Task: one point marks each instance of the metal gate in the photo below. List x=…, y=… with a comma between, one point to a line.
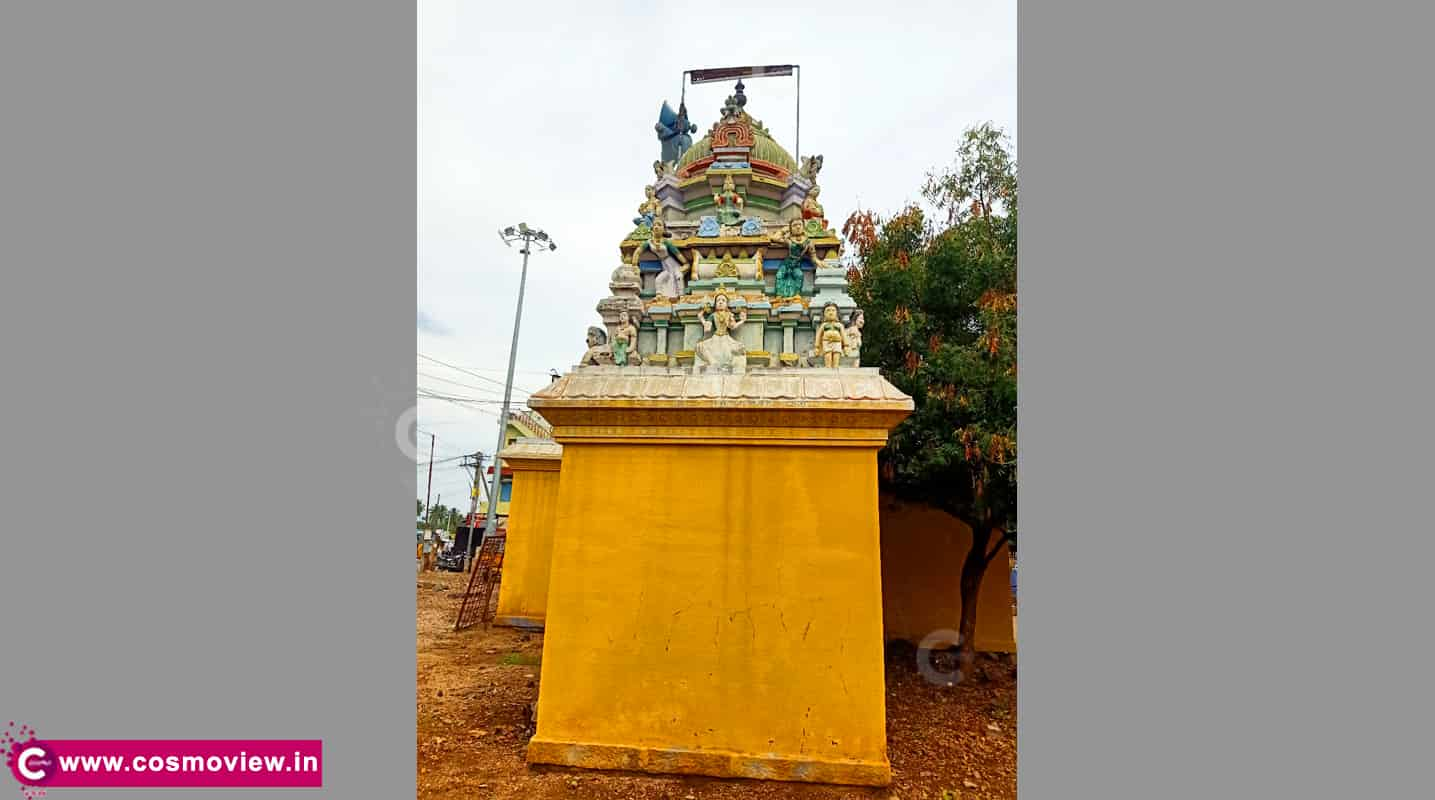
x=484, y=577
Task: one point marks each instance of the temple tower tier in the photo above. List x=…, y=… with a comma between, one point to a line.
x=732, y=219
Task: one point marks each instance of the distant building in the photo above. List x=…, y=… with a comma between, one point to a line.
x=472, y=530
x=521, y=425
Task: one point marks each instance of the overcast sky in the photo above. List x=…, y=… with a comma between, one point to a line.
x=543, y=113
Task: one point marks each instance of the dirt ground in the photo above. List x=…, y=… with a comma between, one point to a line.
x=476, y=689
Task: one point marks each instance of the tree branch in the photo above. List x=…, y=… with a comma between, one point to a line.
x=1006, y=537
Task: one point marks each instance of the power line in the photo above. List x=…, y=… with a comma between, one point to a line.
x=474, y=374
x=443, y=460
x=544, y=373
x=458, y=383
x=446, y=453
x=435, y=436
x=423, y=390
x=460, y=404
x=432, y=394
x=435, y=395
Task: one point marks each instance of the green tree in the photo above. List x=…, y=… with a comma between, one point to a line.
x=420, y=510
x=940, y=304
x=438, y=517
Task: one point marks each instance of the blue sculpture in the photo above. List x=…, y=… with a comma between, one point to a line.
x=751, y=226
x=707, y=226
x=673, y=131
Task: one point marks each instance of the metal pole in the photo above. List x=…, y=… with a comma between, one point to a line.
x=473, y=507
x=472, y=539
x=428, y=537
x=428, y=493
x=798, y=136
x=493, y=495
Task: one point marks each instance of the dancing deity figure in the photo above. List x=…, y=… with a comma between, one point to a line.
x=811, y=165
x=721, y=349
x=648, y=211
x=729, y=203
x=625, y=341
x=830, y=336
x=789, y=273
x=670, y=280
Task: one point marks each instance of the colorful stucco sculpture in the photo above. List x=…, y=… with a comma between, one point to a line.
x=673, y=131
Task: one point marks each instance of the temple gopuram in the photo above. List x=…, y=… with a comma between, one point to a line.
x=701, y=541
x=733, y=224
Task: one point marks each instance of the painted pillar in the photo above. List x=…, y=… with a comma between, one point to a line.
x=662, y=318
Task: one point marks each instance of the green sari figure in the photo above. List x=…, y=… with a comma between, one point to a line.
x=625, y=341
x=789, y=274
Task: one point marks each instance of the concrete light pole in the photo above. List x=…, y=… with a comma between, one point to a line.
x=511, y=234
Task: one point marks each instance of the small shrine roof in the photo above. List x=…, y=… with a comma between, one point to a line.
x=528, y=447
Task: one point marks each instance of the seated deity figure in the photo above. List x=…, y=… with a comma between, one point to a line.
x=811, y=209
x=670, y=281
x=729, y=203
x=625, y=341
x=599, y=353
x=648, y=211
x=789, y=273
x=830, y=337
x=721, y=350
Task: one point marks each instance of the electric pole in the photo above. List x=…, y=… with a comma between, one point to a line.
x=510, y=235
x=475, y=461
x=428, y=493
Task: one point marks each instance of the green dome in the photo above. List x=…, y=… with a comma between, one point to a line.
x=763, y=149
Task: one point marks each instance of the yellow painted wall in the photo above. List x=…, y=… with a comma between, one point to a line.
x=523, y=591
x=716, y=609
x=922, y=553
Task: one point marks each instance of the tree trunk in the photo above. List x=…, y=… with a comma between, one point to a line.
x=973, y=568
